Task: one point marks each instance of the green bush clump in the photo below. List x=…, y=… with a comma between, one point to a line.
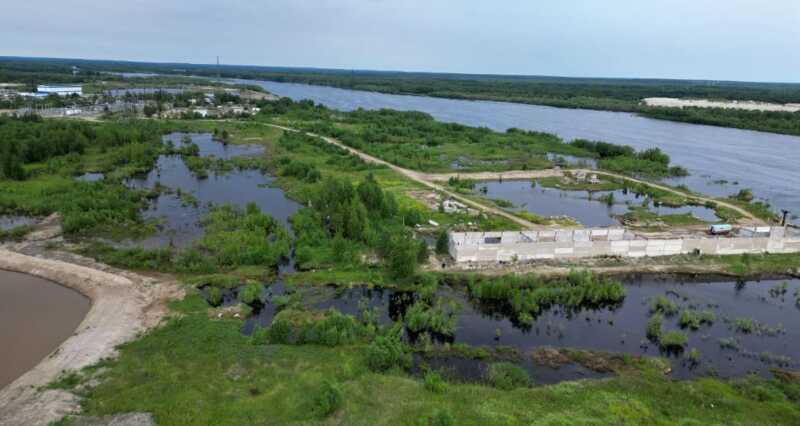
x=214, y=296
x=330, y=328
x=531, y=295
x=745, y=325
x=442, y=243
x=664, y=306
x=693, y=319
x=234, y=237
x=251, y=294
x=434, y=382
x=301, y=170
x=654, y=327
x=507, y=376
x=441, y=317
x=673, y=340
x=387, y=352
x=328, y=399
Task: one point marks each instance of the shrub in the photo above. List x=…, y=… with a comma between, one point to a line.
x=745, y=325
x=331, y=328
x=442, y=243
x=440, y=318
x=507, y=376
x=214, y=296
x=531, y=295
x=654, y=325
x=665, y=306
x=328, y=399
x=423, y=253
x=251, y=294
x=387, y=352
x=693, y=319
x=673, y=340
x=434, y=382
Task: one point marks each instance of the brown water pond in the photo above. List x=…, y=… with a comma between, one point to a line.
x=36, y=316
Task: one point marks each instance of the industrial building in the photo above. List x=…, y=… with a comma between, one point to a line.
x=66, y=90
x=494, y=247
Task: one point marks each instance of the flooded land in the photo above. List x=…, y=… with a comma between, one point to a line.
x=732, y=328
x=186, y=197
x=588, y=208
x=43, y=313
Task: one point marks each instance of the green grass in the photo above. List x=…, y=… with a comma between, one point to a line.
x=196, y=370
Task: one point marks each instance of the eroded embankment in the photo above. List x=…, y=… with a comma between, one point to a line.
x=123, y=305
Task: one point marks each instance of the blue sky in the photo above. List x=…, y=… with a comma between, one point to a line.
x=703, y=39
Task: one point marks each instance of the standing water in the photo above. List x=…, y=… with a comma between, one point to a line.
x=764, y=162
x=180, y=214
x=36, y=316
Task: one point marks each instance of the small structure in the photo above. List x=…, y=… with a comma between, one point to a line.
x=452, y=206
x=45, y=90
x=720, y=229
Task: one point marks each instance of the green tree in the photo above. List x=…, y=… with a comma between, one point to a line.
x=422, y=252
x=442, y=243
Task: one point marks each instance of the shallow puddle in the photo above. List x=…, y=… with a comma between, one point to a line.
x=11, y=222
x=36, y=316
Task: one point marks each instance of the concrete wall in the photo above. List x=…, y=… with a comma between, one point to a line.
x=566, y=244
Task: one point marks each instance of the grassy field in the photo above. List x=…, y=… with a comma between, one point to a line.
x=196, y=370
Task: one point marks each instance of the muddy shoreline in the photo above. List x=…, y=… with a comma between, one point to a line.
x=123, y=305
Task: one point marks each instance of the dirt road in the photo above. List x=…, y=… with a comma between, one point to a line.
x=422, y=178
x=124, y=305
x=430, y=180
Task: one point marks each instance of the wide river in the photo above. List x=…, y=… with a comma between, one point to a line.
x=767, y=163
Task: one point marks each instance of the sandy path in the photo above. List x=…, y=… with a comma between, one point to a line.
x=123, y=306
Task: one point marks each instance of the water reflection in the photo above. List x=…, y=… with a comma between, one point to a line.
x=765, y=162
x=618, y=328
x=588, y=208
x=180, y=209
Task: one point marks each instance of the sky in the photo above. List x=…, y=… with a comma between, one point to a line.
x=749, y=40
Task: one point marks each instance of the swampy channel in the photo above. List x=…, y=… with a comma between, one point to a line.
x=43, y=313
x=588, y=208
x=748, y=327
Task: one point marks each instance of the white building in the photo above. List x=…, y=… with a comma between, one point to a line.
x=45, y=90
